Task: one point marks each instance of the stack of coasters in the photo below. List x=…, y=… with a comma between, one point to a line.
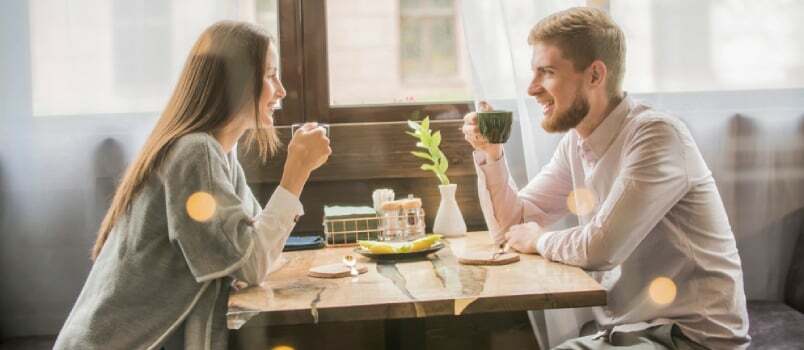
x=348, y=224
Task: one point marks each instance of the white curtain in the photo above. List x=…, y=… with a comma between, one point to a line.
x=705, y=62
x=81, y=84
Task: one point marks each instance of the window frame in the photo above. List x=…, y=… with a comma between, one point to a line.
x=290, y=53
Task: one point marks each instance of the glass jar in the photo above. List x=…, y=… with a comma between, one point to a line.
x=414, y=218
x=393, y=222
x=414, y=223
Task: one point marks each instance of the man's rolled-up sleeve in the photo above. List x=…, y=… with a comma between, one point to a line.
x=543, y=200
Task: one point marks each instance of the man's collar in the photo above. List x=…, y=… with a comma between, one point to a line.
x=599, y=140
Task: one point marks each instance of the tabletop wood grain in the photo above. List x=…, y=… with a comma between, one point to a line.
x=435, y=286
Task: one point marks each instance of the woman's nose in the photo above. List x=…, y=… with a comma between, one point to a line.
x=280, y=92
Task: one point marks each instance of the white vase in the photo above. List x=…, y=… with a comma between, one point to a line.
x=449, y=220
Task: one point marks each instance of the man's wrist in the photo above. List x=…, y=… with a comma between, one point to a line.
x=534, y=245
x=536, y=241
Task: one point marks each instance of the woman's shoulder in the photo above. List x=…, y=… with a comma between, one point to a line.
x=196, y=141
x=195, y=148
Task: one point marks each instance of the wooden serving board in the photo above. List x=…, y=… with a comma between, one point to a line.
x=485, y=258
x=337, y=270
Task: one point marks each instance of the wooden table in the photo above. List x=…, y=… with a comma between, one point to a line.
x=436, y=286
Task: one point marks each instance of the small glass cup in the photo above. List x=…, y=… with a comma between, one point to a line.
x=380, y=196
x=295, y=126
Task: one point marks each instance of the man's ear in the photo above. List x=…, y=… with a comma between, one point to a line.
x=598, y=73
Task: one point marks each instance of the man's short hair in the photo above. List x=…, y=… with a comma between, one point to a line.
x=585, y=34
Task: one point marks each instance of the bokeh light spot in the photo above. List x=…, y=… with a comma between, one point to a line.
x=201, y=206
x=283, y=347
x=662, y=291
x=581, y=202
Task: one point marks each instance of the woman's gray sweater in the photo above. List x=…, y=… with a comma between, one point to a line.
x=160, y=270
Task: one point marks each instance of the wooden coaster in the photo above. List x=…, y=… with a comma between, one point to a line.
x=334, y=271
x=485, y=258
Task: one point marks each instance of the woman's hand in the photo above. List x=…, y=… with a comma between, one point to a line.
x=471, y=133
x=309, y=147
x=308, y=150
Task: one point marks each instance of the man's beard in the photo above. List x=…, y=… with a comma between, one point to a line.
x=570, y=118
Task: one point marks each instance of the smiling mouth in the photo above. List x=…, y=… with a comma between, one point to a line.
x=547, y=106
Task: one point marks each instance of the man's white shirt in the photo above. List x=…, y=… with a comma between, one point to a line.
x=647, y=208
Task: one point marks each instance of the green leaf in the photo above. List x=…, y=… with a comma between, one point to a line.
x=443, y=178
x=430, y=141
x=439, y=154
x=444, y=165
x=424, y=135
x=433, y=154
x=437, y=138
x=421, y=155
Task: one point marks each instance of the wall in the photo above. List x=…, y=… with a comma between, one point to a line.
x=56, y=177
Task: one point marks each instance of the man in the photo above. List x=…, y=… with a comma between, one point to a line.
x=653, y=229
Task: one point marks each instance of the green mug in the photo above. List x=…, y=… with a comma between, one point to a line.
x=495, y=125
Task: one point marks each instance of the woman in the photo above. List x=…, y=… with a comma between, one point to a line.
x=183, y=224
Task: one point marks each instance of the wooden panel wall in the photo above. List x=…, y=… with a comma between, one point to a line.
x=368, y=156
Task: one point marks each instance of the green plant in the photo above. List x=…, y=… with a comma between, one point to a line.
x=430, y=142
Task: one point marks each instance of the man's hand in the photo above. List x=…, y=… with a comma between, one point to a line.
x=523, y=237
x=471, y=133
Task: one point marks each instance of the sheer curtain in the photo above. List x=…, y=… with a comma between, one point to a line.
x=83, y=82
x=705, y=62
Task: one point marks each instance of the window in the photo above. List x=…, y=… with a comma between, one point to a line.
x=392, y=53
x=713, y=45
x=114, y=57
x=351, y=61
x=428, y=40
x=267, y=16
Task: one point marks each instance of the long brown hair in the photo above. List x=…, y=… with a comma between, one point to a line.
x=223, y=73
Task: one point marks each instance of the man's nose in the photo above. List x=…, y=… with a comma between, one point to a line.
x=535, y=88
